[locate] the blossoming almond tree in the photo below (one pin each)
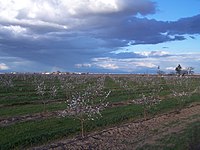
(147, 101)
(41, 90)
(6, 81)
(87, 104)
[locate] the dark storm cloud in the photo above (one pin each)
(145, 31)
(192, 37)
(190, 25)
(77, 35)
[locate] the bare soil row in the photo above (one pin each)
(132, 135)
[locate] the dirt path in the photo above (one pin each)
(132, 135)
(6, 121)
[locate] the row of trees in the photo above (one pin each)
(179, 71)
(86, 96)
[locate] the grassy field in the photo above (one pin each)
(130, 97)
(189, 139)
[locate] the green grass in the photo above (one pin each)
(14, 99)
(25, 134)
(173, 104)
(188, 139)
(30, 109)
(22, 135)
(116, 115)
(39, 132)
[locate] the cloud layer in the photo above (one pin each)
(74, 34)
(144, 62)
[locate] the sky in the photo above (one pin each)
(99, 36)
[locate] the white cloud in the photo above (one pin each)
(108, 66)
(170, 68)
(127, 65)
(145, 64)
(83, 65)
(77, 7)
(3, 66)
(51, 10)
(15, 30)
(153, 53)
(167, 63)
(66, 13)
(105, 63)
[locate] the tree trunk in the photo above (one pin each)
(44, 106)
(82, 128)
(145, 114)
